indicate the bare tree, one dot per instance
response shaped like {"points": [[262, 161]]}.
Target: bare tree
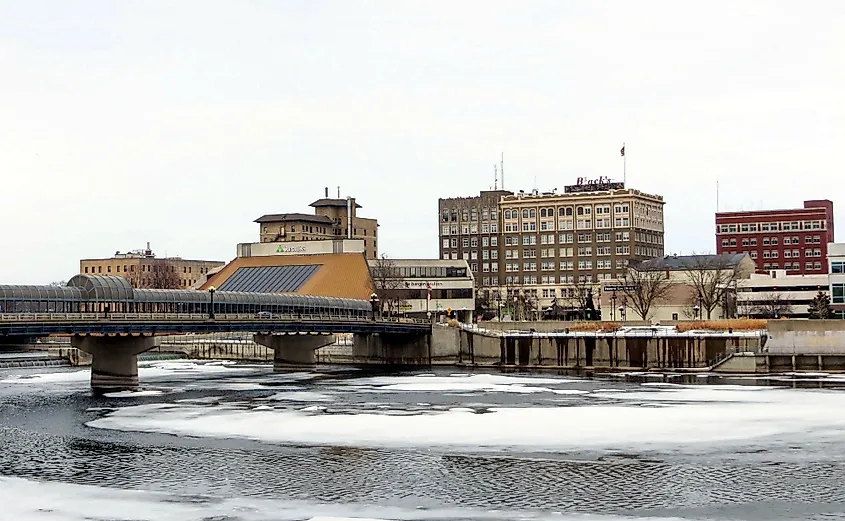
{"points": [[711, 278], [644, 288], [386, 282], [772, 305], [161, 275], [581, 293]]}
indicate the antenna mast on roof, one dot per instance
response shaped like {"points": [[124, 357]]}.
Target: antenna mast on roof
{"points": [[495, 178], [503, 170], [338, 192]]}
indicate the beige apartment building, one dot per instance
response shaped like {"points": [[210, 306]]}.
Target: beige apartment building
{"points": [[144, 270], [548, 244], [332, 219]]}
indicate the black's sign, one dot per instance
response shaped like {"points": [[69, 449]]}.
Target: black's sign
{"points": [[593, 185]]}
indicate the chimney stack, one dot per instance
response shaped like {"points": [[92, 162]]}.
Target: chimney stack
{"points": [[327, 192]]}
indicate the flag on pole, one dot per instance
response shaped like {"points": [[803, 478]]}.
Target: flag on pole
{"points": [[623, 151]]}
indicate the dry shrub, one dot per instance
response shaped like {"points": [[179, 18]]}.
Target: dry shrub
{"points": [[739, 324], [594, 326]]}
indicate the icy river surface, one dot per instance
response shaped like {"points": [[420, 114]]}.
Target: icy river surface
{"points": [[236, 442]]}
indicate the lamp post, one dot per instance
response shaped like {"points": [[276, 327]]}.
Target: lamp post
{"points": [[499, 306], [613, 304], [374, 304], [211, 291]]}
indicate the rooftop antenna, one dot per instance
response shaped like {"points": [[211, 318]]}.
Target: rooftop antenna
{"points": [[503, 170], [338, 192], [495, 178]]}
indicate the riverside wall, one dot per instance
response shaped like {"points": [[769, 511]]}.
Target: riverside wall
{"points": [[477, 347]]}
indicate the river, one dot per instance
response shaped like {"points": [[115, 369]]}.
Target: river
{"points": [[236, 442]]}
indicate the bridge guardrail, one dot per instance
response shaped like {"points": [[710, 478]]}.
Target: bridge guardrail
{"points": [[200, 317]]}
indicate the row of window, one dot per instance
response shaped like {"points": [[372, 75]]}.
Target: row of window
{"points": [[794, 266], [564, 211], [547, 279], [435, 272], [772, 241], [469, 214], [771, 226], [148, 268], [472, 242], [787, 254], [469, 229]]}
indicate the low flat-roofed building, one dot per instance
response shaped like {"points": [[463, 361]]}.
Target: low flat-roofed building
{"points": [[415, 287], [344, 275], [686, 276], [144, 270], [776, 294]]}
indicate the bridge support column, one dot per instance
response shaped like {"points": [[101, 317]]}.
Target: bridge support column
{"points": [[293, 350], [114, 360], [392, 349]]}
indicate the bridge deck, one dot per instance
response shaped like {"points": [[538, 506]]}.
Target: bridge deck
{"points": [[33, 324]]}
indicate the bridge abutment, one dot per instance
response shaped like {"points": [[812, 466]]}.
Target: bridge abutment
{"points": [[114, 360], [293, 350], [392, 349]]}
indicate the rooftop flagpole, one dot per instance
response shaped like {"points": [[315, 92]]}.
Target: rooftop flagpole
{"points": [[624, 165]]}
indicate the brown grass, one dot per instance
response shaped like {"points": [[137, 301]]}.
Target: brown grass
{"points": [[740, 324], [594, 326]]}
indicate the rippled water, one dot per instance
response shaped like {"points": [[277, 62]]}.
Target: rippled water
{"points": [[238, 442]]}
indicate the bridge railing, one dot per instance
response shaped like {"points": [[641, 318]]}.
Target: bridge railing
{"points": [[193, 317]]}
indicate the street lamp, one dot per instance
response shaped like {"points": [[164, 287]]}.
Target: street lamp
{"points": [[499, 306], [211, 291], [613, 303], [697, 311], [374, 303]]}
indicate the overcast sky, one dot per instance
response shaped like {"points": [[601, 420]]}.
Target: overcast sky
{"points": [[180, 122]]}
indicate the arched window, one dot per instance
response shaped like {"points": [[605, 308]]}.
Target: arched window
{"points": [[543, 212], [569, 211], [580, 210], [561, 211], [507, 214], [532, 213], [525, 214]]}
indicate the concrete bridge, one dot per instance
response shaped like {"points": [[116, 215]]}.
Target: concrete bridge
{"points": [[114, 340]]}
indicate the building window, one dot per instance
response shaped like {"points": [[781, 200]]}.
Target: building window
{"points": [[465, 242], [838, 293]]}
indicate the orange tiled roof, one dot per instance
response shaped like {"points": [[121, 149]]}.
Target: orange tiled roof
{"points": [[344, 275]]}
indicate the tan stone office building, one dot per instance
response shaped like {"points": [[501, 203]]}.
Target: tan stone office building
{"points": [[332, 219], [545, 243], [144, 270]]}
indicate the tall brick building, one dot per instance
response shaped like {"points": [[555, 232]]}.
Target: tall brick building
{"points": [[792, 239], [544, 243]]}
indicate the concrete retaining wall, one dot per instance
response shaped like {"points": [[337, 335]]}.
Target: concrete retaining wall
{"points": [[594, 351], [806, 337]]}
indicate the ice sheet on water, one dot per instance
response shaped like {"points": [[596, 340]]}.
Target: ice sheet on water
{"points": [[133, 394], [145, 370], [48, 501], [471, 383], [301, 396], [675, 418]]}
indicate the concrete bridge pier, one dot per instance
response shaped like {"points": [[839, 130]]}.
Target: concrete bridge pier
{"points": [[114, 360], [293, 350], [392, 348]]}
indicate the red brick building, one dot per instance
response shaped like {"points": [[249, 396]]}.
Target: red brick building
{"points": [[794, 240]]}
